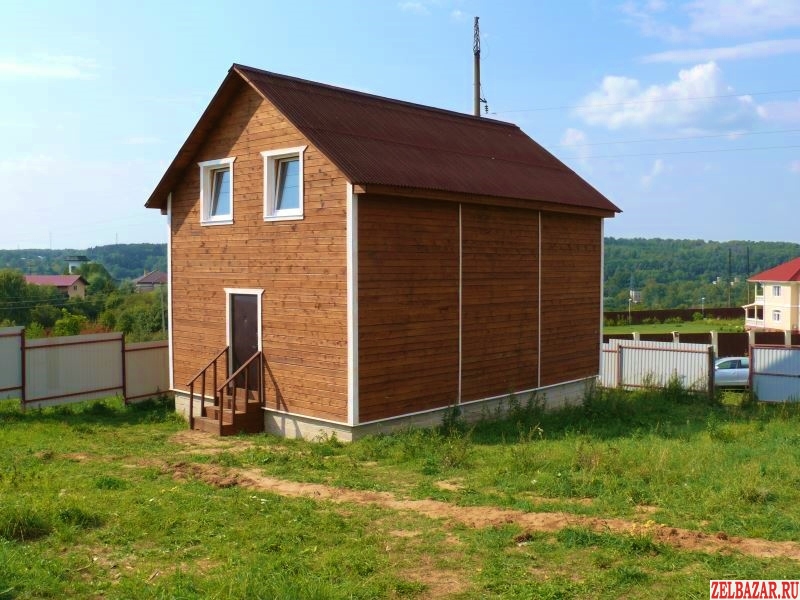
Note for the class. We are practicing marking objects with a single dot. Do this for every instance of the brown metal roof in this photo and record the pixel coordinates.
(152, 278)
(384, 142)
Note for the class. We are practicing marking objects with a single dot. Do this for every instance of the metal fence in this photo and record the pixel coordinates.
(775, 373)
(60, 370)
(636, 364)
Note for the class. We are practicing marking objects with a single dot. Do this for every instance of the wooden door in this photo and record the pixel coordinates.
(244, 336)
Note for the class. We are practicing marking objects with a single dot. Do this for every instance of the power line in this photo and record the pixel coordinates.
(654, 101)
(675, 139)
(682, 152)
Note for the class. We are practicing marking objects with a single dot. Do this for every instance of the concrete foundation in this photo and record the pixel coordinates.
(299, 426)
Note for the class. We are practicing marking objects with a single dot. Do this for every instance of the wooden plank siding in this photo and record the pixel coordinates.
(407, 306)
(301, 265)
(571, 259)
(499, 306)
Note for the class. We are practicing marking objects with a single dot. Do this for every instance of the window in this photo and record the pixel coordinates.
(283, 183)
(776, 315)
(776, 290)
(216, 191)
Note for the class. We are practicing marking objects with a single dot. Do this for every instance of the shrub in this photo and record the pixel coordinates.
(69, 324)
(34, 330)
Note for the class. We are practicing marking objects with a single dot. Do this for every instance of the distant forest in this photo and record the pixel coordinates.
(686, 273)
(668, 273)
(122, 261)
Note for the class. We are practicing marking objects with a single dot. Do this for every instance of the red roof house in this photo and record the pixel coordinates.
(364, 262)
(73, 286)
(777, 295)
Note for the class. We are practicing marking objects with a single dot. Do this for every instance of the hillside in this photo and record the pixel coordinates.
(669, 273)
(123, 261)
(678, 273)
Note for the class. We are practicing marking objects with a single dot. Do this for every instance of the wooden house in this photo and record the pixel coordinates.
(365, 262)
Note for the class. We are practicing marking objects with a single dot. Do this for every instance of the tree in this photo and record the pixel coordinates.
(13, 296)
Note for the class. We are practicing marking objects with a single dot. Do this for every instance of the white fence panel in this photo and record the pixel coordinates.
(146, 369)
(775, 372)
(11, 341)
(640, 364)
(74, 368)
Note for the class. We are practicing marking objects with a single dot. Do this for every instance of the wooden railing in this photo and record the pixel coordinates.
(258, 357)
(202, 376)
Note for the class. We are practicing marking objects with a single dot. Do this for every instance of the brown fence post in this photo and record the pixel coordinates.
(124, 377)
(711, 389)
(22, 368)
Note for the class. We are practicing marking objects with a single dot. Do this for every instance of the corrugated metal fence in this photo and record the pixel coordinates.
(636, 364)
(59, 370)
(775, 373)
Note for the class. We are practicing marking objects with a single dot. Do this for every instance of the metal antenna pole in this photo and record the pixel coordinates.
(476, 51)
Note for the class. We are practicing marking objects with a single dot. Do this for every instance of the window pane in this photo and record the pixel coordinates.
(288, 184)
(220, 192)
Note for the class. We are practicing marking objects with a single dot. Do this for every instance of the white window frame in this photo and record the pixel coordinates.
(207, 169)
(776, 316)
(776, 290)
(271, 159)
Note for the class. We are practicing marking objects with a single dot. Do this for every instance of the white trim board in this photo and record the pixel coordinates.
(352, 306)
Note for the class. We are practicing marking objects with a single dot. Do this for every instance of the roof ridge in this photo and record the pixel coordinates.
(366, 95)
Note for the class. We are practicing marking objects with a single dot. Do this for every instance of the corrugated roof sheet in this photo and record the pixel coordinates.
(380, 141)
(54, 280)
(375, 140)
(788, 271)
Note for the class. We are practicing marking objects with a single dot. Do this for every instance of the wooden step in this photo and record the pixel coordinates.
(249, 419)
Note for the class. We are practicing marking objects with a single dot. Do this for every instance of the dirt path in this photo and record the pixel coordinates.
(474, 516)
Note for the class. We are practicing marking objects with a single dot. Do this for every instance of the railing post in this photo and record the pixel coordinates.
(191, 405)
(202, 393)
(261, 379)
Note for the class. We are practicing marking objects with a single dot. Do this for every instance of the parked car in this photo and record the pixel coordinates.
(733, 371)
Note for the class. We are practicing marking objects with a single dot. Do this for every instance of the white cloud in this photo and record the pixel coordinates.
(645, 17)
(742, 17)
(413, 7)
(656, 170)
(25, 165)
(696, 19)
(578, 141)
(692, 100)
(49, 67)
(795, 166)
(458, 15)
(781, 112)
(741, 51)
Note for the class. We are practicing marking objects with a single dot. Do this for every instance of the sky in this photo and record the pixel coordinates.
(685, 114)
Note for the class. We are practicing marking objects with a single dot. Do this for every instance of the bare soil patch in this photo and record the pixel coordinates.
(487, 516)
(201, 442)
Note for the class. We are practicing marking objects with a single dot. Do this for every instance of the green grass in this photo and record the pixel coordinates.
(89, 506)
(703, 326)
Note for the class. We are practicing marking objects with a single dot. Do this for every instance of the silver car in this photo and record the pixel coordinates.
(733, 371)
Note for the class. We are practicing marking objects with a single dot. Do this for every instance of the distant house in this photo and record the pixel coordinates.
(150, 281)
(73, 286)
(373, 262)
(74, 262)
(776, 299)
